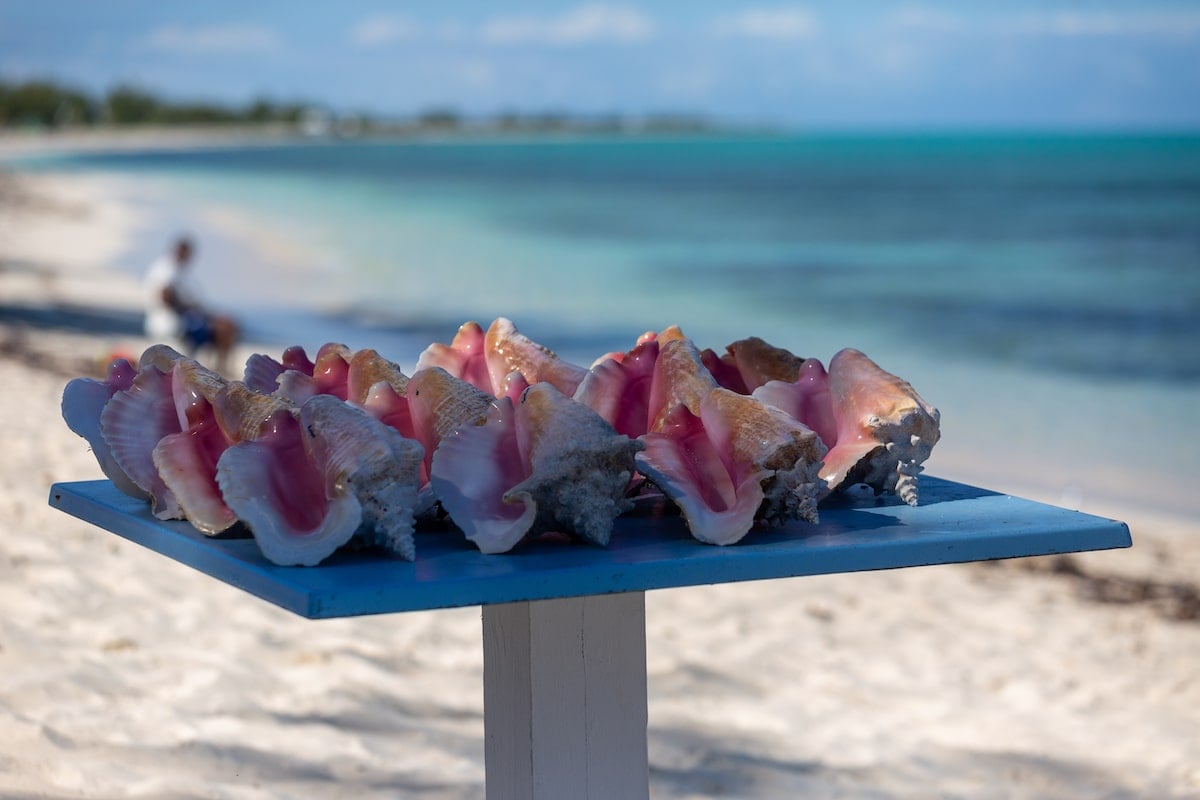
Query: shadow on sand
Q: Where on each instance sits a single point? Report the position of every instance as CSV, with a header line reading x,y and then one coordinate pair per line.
x,y
74,318
686,763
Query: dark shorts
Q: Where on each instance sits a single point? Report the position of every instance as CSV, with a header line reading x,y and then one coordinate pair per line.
x,y
197,329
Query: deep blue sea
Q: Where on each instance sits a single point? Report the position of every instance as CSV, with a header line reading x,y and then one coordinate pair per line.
x,y
1069,253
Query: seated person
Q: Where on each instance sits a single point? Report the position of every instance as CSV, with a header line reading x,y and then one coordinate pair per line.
x,y
173,309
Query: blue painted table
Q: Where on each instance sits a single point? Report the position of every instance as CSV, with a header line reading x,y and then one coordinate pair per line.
x,y
564,625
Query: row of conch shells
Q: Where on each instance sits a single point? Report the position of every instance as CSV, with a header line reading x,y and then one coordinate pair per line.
x,y
500,434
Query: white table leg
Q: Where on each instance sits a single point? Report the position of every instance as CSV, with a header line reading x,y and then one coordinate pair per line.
x,y
564,692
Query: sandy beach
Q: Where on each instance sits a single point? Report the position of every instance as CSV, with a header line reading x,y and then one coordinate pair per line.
x,y
123,674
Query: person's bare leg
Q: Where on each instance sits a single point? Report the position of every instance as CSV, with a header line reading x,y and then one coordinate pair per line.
x,y
225,336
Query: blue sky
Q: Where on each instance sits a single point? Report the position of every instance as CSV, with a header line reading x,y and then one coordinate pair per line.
x,y
940,63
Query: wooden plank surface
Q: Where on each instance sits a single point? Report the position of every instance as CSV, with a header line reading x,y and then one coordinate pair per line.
x,y
649,550
565,698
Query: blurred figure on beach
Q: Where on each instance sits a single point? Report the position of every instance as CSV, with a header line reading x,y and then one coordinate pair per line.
x,y
175,312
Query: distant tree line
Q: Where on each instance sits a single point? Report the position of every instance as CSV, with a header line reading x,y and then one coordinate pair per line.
x,y
45,104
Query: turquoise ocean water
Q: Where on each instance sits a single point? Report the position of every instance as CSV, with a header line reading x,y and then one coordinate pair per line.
x,y
1073,254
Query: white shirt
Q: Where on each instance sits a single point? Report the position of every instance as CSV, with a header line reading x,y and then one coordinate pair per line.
x,y
162,321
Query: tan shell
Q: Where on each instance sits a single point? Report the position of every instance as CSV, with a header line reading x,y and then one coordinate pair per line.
x,y
508,350
368,368
759,362
679,379
161,356
240,411
775,441
442,403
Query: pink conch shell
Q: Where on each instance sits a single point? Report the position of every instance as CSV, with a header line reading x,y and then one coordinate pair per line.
x,y
618,387
885,430
186,461
300,520
262,372
545,464
507,350
463,358
440,404
379,465
310,481
735,461
514,386
132,423
747,436
330,375
212,422
749,363
472,471
806,398
391,408
688,459
82,403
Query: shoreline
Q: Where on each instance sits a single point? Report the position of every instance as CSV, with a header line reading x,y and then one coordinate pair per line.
x,y
24,144
127,674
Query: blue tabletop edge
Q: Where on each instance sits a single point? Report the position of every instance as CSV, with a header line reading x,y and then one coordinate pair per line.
x,y
955,523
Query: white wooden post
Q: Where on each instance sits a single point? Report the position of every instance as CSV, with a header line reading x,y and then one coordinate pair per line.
x,y
564,693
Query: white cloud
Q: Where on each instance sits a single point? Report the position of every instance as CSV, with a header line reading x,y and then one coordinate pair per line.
x,y
379,31
1110,23
583,25
782,24
233,38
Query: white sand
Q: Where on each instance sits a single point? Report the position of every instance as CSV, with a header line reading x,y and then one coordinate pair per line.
x,y
123,674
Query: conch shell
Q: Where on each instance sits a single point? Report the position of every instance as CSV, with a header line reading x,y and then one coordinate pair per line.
x,y
132,423
82,403
617,387
725,458
345,472
262,372
463,358
330,375
440,404
544,464
805,397
186,461
885,430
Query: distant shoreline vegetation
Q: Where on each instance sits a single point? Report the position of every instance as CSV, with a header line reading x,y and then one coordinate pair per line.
x,y
46,105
